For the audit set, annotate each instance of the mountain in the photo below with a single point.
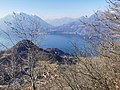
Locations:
(78, 27)
(23, 54)
(24, 21)
(18, 26)
(21, 50)
(62, 21)
(71, 28)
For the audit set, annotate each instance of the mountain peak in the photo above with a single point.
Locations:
(27, 21)
(24, 45)
(25, 41)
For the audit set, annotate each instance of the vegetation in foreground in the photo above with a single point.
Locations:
(32, 68)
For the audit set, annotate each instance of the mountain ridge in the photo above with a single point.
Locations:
(26, 19)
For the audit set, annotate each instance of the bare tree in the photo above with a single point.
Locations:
(101, 72)
(18, 59)
(91, 73)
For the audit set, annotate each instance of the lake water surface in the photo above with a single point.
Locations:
(67, 43)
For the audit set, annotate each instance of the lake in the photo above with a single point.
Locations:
(67, 43)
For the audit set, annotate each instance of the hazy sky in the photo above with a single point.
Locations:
(47, 9)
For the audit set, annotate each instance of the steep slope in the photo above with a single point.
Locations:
(18, 26)
(24, 20)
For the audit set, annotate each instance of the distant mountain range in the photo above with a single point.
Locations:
(62, 21)
(77, 27)
(29, 23)
(33, 22)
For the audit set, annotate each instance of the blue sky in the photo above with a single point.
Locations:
(50, 9)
